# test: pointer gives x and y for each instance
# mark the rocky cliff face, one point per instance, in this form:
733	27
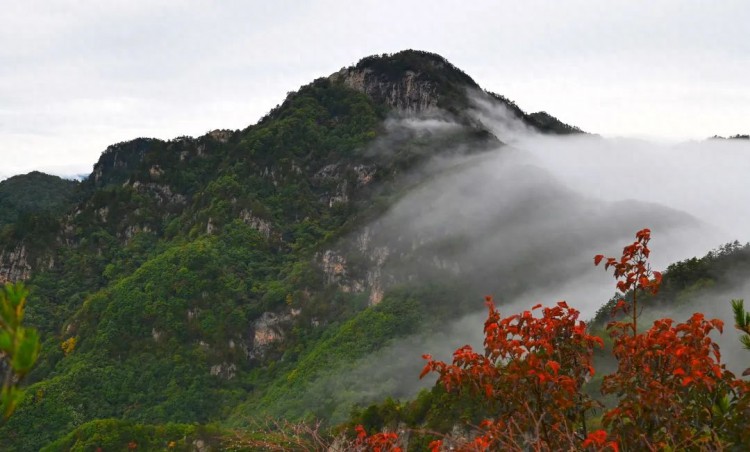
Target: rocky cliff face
265	331
118	161
409	82
407	94
14	264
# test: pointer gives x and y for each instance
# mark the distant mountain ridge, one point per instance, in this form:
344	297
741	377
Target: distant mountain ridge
34	192
29	207
733	137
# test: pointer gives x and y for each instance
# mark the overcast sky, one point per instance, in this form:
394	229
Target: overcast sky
76	76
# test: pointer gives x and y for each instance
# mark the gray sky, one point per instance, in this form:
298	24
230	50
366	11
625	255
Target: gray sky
76	76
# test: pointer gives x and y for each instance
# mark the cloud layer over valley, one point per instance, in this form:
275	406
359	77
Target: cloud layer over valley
523	222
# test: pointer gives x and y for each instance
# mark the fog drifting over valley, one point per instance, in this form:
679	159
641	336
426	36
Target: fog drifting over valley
559	200
532	214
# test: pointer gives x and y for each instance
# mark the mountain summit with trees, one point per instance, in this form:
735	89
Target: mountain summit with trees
226	291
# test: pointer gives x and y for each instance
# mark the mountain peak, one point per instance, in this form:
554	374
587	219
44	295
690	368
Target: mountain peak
411	81
416	81
427	64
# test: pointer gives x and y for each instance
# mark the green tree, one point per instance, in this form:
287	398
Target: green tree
19	346
742	323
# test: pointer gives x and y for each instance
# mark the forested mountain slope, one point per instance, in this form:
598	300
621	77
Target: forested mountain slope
34	193
231	276
29	207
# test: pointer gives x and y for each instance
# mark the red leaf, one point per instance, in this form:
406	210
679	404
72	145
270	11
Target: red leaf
595	438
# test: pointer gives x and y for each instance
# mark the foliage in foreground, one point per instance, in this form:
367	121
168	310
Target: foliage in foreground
19	346
673	392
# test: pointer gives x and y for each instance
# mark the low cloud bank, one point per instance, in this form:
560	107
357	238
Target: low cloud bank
531	215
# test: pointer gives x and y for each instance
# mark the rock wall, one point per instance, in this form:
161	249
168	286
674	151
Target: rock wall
265	332
336	269
257	223
408	94
14	265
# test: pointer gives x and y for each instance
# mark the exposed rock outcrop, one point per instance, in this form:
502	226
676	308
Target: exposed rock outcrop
161	192
257	223
407	94
225	370
334	266
265	332
14	265
221	135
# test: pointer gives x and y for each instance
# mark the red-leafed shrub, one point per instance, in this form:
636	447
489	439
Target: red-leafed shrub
530	372
672	391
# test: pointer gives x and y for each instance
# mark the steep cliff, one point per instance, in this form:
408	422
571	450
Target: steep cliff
14	265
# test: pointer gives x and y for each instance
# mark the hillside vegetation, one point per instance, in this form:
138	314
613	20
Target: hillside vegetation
189	289
34	194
